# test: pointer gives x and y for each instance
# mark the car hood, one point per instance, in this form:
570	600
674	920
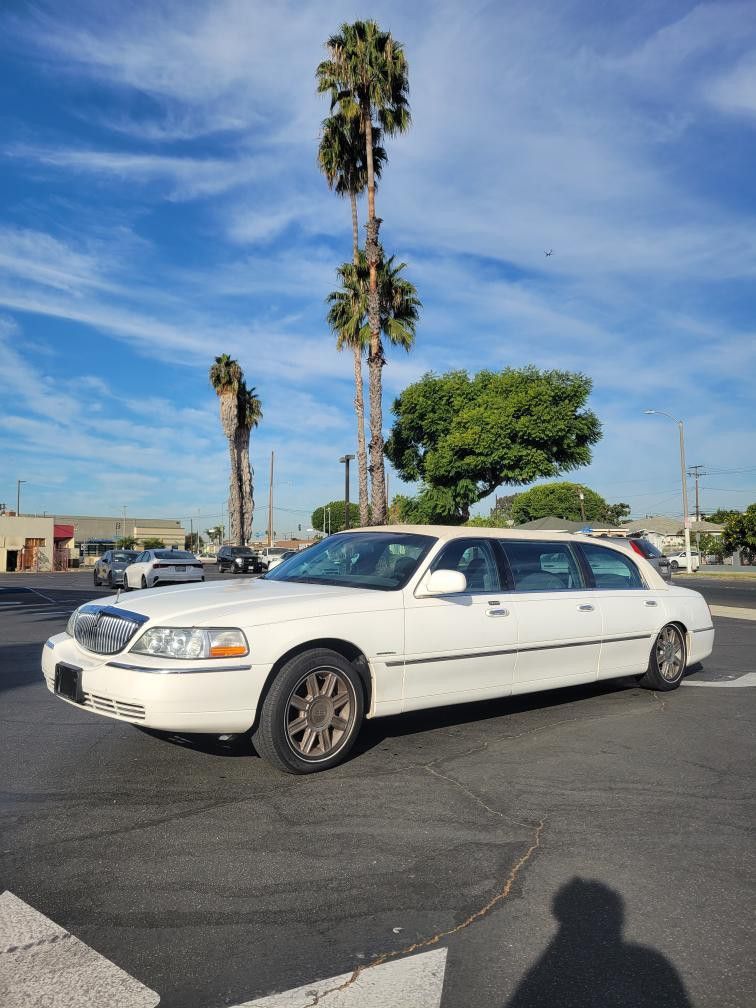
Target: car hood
248	602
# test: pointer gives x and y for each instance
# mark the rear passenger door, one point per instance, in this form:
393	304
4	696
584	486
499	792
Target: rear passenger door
558	616
632	613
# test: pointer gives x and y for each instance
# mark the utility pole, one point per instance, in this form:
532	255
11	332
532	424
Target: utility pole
346	459
695	472
18	495
270	502
684	480
581	495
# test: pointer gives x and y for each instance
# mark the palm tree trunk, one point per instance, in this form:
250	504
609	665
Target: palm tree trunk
229	422
246	489
359	397
375	356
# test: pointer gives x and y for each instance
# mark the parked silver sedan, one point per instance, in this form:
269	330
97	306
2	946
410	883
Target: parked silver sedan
111	565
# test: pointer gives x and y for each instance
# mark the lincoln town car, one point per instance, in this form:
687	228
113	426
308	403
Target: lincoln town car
375	622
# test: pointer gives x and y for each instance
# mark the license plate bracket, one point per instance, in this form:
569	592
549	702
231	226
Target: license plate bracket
68	682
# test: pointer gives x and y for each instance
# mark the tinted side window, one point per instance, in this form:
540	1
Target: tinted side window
611	569
475	558
542	566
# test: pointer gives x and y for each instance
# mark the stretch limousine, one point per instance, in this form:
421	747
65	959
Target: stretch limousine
373	622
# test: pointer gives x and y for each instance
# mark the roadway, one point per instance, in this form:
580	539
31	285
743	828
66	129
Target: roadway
587	846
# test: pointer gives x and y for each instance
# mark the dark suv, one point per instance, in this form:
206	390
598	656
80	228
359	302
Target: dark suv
239	560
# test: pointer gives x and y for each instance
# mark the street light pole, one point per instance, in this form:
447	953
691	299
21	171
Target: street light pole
18	495
683	476
346	459
581	495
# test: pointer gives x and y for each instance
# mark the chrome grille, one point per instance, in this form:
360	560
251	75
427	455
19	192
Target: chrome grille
106	629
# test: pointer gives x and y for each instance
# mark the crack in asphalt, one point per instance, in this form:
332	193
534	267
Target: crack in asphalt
483	911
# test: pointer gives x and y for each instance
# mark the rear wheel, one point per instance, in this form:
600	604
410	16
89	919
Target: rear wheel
675	565
96	579
312	713
666	666
144	581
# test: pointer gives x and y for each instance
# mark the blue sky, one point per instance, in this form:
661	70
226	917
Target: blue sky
162	205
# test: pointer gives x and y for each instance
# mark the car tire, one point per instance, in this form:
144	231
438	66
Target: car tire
299	729
97	581
666	666
674	565
144	581
110	579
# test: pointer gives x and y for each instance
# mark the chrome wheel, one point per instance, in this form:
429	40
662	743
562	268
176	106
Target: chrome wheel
320	713
670	653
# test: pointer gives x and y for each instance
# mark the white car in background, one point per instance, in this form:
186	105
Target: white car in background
679	561
162	566
274	561
375	622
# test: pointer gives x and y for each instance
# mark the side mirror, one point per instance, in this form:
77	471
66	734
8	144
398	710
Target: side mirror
445	582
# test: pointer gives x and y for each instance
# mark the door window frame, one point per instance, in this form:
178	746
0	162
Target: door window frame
581	566
592	578
472	541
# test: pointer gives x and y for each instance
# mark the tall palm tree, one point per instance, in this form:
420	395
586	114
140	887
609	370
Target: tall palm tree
249	414
226	378
366	76
399	305
341	157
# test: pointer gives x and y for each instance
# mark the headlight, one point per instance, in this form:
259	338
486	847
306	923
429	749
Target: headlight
72	622
191	642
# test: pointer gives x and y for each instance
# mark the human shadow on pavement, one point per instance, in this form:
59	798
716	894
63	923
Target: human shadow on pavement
588	965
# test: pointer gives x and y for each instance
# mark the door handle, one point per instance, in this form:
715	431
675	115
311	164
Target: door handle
498	612
651	602
586	608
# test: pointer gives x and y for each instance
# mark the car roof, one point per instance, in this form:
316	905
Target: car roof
448	532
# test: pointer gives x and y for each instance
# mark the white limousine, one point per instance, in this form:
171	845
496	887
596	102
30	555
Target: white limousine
373	622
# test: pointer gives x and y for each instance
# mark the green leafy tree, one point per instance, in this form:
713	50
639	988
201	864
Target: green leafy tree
562	500
194	542
128	542
740	534
215	534
324	522
461	437
616	513
366	75
719	517
710	545
342	159
153	543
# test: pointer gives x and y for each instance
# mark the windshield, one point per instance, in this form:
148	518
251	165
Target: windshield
383	561
240	551
173	555
123	556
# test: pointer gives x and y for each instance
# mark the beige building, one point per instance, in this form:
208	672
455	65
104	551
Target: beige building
94	535
33	543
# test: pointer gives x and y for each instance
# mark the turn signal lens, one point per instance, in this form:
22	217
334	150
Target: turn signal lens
231	651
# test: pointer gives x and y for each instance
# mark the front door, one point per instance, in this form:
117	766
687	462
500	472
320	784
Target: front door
460	647
559	618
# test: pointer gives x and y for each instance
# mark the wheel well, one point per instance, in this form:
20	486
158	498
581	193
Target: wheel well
681	626
345	648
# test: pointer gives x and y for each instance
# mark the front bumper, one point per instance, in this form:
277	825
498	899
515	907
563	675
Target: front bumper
160	693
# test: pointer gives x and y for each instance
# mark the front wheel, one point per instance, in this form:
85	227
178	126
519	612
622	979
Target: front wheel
675	565
312	713
666	666
96	579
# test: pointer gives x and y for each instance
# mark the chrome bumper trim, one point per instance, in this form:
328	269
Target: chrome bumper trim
179	671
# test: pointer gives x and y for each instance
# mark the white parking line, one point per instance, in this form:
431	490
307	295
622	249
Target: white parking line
733	612
749	679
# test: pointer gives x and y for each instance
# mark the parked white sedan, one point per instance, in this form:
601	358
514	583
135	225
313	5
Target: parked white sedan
162	566
374	622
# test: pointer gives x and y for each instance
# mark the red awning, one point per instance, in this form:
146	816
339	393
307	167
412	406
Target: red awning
63	532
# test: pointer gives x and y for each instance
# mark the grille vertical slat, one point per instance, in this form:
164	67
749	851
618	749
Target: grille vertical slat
105	630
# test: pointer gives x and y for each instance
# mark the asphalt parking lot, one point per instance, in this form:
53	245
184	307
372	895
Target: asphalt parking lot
588	846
